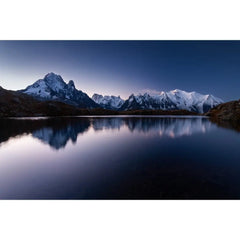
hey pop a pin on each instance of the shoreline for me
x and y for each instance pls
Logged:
(107, 116)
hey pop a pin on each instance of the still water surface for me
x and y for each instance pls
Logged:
(123, 157)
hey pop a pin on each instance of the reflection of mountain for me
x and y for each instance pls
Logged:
(58, 131)
(58, 137)
(54, 131)
(172, 127)
(99, 124)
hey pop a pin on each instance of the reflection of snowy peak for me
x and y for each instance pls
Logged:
(52, 87)
(56, 140)
(100, 124)
(58, 137)
(171, 127)
(108, 102)
(172, 100)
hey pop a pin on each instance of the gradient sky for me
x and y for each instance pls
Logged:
(125, 67)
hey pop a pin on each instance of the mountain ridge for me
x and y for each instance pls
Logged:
(172, 100)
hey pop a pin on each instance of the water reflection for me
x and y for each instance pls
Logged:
(118, 158)
(56, 132)
(58, 136)
(171, 127)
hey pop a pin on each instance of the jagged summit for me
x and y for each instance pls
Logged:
(71, 84)
(53, 76)
(53, 87)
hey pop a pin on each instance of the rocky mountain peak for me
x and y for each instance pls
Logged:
(53, 87)
(71, 84)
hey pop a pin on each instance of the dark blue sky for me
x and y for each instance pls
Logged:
(125, 67)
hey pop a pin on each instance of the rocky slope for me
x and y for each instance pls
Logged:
(229, 111)
(226, 115)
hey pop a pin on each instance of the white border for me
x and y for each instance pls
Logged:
(119, 20)
(119, 220)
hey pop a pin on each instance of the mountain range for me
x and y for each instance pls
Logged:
(172, 100)
(52, 88)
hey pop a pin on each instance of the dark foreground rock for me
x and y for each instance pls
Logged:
(226, 115)
(229, 111)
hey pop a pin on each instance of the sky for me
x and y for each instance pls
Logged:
(126, 67)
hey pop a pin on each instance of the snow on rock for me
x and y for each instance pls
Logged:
(108, 102)
(172, 100)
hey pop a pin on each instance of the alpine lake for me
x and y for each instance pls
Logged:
(118, 157)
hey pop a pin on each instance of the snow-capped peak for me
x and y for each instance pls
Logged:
(53, 87)
(108, 102)
(53, 77)
(54, 81)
